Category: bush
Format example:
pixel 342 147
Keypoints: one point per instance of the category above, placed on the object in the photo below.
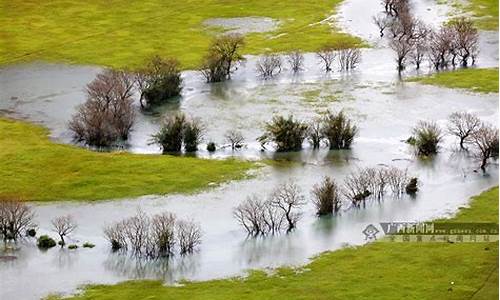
pixel 326 197
pixel 88 245
pixel 222 58
pixel 426 138
pixel 211 147
pixel 412 186
pixel 288 134
pixel 72 247
pixel 46 242
pixel 31 232
pixel 193 133
pixel 160 81
pixel 171 134
pixel 339 130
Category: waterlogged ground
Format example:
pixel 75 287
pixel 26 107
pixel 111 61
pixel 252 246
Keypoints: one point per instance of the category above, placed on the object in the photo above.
pixel 384 107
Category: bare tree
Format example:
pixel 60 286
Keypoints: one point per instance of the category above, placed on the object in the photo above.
pixel 463 125
pixel 188 236
pixel 288 198
pixel 440 47
pixel 485 142
pixel 327 56
pixel 163 233
pixel 403 48
pixel 467 39
pixel 419 52
pixel 382 23
pixel 137 232
pixel 296 60
pixel 326 197
pixel 356 187
pixel 235 139
pixel 108 113
pixel 315 134
pixel 269 65
pixel 15 218
pixel 259 217
pixel 397 180
pixel 116 235
pixel 64 226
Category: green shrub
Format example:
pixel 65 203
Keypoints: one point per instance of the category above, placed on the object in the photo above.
pixel 426 138
pixel 46 242
pixel 72 247
pixel 88 245
pixel 288 134
pixel 339 130
pixel 171 134
pixel 211 147
pixel 193 133
pixel 162 81
pixel 31 232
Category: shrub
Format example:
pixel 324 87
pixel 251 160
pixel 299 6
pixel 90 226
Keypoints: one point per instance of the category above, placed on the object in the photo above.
pixel 288 134
pixel 193 133
pixel 211 147
pixel 339 130
pixel 72 247
pixel 412 186
pixel 171 134
pixel 426 137
pixel 31 232
pixel 160 81
pixel 88 245
pixel 46 242
pixel 222 58
pixel 326 197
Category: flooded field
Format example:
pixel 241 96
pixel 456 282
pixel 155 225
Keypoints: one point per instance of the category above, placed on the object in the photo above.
pixel 384 107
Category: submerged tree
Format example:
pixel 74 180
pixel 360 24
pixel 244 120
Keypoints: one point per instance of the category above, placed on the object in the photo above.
pixel 463 125
pixel 64 226
pixel 287 133
pixel 326 197
pixel 288 198
pixel 188 236
pixel 485 142
pixel 15 219
pixel 222 58
pixel 159 81
pixel 269 65
pixel 295 60
pixel 235 139
pixel 171 134
pixel 426 138
pixel 327 56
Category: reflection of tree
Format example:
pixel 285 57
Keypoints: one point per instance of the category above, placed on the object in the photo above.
pixel 65 258
pixel 269 250
pixel 167 269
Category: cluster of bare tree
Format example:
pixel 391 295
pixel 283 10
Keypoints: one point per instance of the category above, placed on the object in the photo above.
pixel 348 57
pixel 153 237
pixel 269 65
pixel 289 134
pixel 178 130
pixel 469 130
pixel 413 41
pixel 223 58
pixel 277 214
pixel 16 218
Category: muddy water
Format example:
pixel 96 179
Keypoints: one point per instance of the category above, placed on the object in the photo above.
pixel 384 107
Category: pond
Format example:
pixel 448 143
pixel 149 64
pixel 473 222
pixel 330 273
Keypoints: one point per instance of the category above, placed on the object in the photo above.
pixel 384 107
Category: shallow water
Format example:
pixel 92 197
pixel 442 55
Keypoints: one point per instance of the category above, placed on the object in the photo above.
pixel 243 25
pixel 384 108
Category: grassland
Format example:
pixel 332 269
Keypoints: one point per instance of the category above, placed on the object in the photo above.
pixel 485 12
pixel 476 80
pixel 121 33
pixel 34 168
pixel 380 270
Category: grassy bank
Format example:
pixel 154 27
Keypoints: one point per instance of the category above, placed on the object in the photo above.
pixel 34 168
pixel 476 80
pixel 485 12
pixel 376 271
pixel 124 33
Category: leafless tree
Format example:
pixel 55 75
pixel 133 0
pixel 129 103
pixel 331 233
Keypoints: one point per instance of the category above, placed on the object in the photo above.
pixel 188 236
pixel 223 57
pixel 485 142
pixel 296 60
pixel 327 56
pixel 467 39
pixel 138 234
pixel 463 125
pixel 269 65
pixel 397 180
pixel 259 217
pixel 315 134
pixel 235 138
pixel 15 218
pixel 440 47
pixel 403 48
pixel 349 58
pixel 326 197
pixel 356 187
pixel 418 53
pixel 163 233
pixel 382 22
pixel 64 226
pixel 108 113
pixel 288 198
pixel 116 235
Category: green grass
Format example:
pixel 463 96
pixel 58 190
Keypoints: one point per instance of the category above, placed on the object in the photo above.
pixel 121 33
pixel 380 270
pixel 34 168
pixel 476 80
pixel 486 12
